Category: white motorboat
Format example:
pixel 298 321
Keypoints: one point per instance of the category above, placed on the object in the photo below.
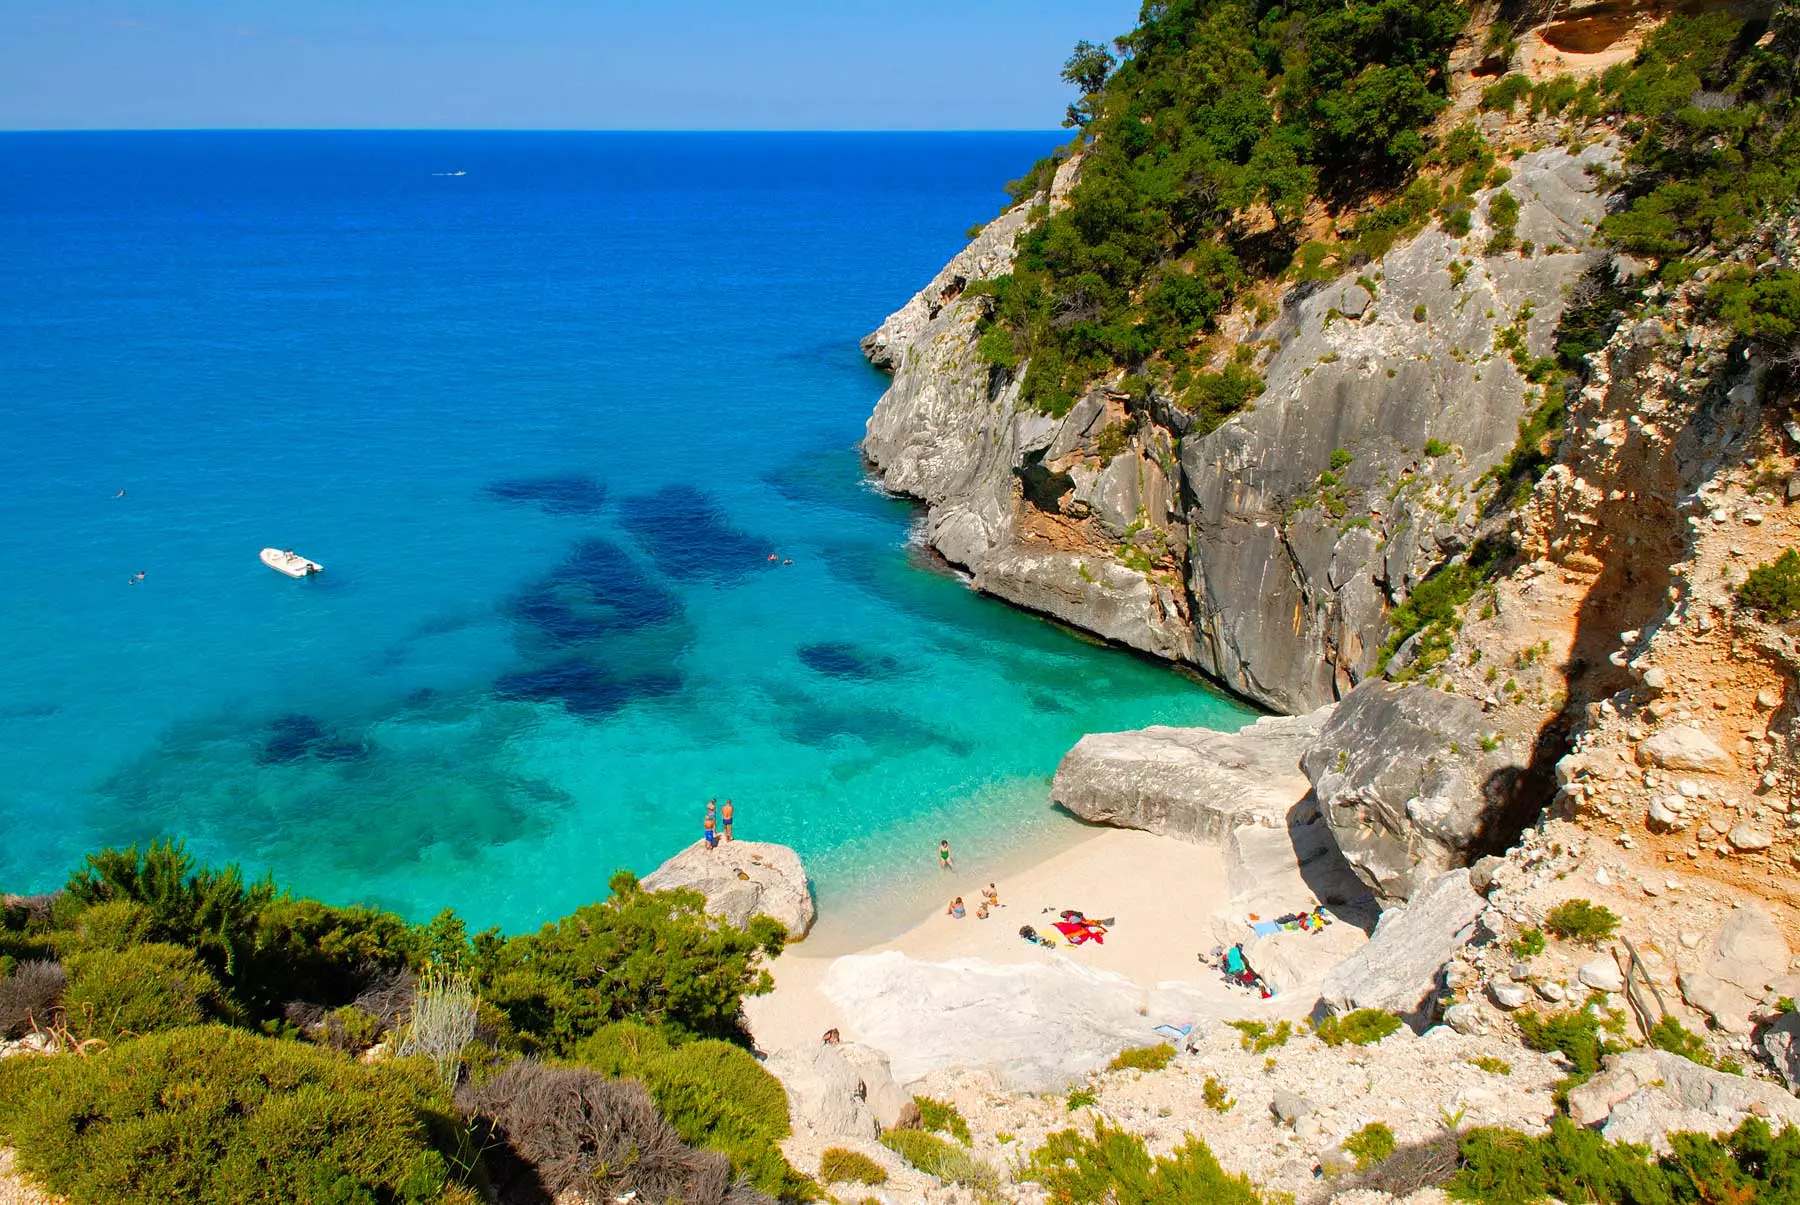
pixel 290 562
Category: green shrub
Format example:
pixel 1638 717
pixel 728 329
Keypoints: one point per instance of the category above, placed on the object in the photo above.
pixel 657 956
pixel 1581 921
pixel 1340 459
pixel 1504 94
pixel 1773 589
pixel 113 925
pixel 218 1115
pixel 1671 1035
pixel 1080 1098
pixel 142 989
pixel 1575 1032
pixel 715 1094
pixel 1259 1038
pixel 1504 1167
pixel 1420 313
pixel 943 1116
pixel 1359 1028
pixel 1371 1144
pixel 1764 308
pixel 1143 1058
pixel 840 1166
pixel 1435 448
pixel 945 1160
pixel 1113 1167
pixel 1528 944
pixel 1491 1065
pixel 1216 1097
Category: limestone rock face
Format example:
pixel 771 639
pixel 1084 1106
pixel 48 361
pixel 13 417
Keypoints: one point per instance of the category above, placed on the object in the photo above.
pixel 1400 969
pixel 824 1092
pixel 1781 1042
pixel 1227 549
pixel 1747 956
pixel 741 879
pixel 1644 1096
pixel 1191 783
pixel 1036 1027
pixel 1403 781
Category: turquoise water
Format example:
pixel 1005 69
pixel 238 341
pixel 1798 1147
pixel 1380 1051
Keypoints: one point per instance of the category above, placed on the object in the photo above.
pixel 542 423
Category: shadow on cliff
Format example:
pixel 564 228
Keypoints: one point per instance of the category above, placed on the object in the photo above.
pixel 1325 870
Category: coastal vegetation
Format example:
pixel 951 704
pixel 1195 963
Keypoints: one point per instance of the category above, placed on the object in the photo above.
pixel 234 1014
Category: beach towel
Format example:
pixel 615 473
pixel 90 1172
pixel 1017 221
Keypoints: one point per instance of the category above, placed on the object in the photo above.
pixel 1265 928
pixel 1234 961
pixel 1175 1033
pixel 1080 931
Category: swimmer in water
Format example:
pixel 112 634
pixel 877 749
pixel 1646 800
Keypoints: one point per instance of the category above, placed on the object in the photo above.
pixel 120 494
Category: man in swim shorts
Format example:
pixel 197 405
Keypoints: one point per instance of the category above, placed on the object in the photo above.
pixel 725 818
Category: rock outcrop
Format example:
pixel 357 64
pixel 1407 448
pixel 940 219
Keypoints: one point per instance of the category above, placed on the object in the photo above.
pixel 1643 1096
pixel 741 879
pixel 1255 551
pixel 1747 960
pixel 1407 783
pixel 1191 783
pixel 1401 969
pixel 1035 1027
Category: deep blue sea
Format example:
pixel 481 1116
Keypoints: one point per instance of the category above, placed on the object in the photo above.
pixel 542 423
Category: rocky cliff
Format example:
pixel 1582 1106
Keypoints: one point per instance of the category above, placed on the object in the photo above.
pixel 1267 552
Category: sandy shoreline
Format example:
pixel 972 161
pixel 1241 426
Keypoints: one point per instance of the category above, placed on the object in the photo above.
pixel 1163 894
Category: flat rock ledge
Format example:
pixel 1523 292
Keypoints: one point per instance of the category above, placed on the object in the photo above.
pixel 741 879
pixel 1646 1095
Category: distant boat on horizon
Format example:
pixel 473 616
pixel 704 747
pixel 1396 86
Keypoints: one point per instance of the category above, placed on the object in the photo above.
pixel 458 172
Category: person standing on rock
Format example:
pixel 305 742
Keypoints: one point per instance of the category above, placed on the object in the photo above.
pixel 944 858
pixel 725 818
pixel 710 832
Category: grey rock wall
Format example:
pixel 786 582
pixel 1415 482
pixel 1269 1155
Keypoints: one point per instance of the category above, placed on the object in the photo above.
pixel 1405 784
pixel 1225 551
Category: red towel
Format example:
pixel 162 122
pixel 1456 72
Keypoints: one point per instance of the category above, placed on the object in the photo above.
pixel 1079 931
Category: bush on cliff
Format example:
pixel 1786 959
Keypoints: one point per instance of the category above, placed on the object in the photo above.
pixel 1773 589
pixel 30 995
pixel 139 990
pixel 656 956
pixel 219 1115
pixel 561 1130
pixel 942 1158
pixel 1569 1163
pixel 715 1094
pixel 1113 1167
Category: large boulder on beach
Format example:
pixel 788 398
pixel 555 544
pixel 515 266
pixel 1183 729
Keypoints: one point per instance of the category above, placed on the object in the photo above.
pixel 1404 780
pixel 741 879
pixel 1644 1096
pixel 1400 969
pixel 1191 783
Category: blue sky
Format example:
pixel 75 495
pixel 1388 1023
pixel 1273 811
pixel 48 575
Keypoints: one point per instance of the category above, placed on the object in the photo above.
pixel 543 64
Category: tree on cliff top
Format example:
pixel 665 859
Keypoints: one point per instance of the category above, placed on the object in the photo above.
pixel 1223 117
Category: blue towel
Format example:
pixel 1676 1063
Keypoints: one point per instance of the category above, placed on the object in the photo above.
pixel 1265 928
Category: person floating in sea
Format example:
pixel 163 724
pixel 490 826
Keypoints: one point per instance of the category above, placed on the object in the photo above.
pixel 725 818
pixel 956 909
pixel 788 561
pixel 140 576
pixel 120 494
pixel 773 558
pixel 944 858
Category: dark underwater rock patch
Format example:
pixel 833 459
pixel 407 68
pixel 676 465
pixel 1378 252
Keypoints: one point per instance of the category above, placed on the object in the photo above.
pixel 597 590
pixel 554 494
pixel 297 736
pixel 840 659
pixel 585 688
pixel 686 532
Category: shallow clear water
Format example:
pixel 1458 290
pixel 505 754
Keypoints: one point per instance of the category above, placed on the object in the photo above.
pixel 542 423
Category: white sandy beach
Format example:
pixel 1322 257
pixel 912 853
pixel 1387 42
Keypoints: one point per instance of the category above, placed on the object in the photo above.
pixel 1162 894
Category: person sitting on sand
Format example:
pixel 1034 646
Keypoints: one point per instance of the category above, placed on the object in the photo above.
pixel 831 1037
pixel 990 896
pixel 981 913
pixel 956 909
